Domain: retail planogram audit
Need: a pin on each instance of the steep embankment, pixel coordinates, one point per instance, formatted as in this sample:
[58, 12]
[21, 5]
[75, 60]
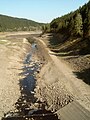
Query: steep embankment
[59, 88]
[59, 85]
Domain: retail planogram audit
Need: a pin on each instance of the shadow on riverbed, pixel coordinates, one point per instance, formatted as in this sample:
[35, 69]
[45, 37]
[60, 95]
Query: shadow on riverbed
[84, 75]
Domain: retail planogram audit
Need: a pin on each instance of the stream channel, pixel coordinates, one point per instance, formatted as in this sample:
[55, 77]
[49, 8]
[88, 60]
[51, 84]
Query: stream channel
[27, 106]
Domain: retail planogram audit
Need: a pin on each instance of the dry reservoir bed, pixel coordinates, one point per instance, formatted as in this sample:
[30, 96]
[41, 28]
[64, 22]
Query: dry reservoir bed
[51, 91]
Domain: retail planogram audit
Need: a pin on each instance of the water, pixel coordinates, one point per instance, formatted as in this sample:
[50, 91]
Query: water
[27, 106]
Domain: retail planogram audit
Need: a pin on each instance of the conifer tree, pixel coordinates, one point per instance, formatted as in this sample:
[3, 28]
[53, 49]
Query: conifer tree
[78, 25]
[88, 27]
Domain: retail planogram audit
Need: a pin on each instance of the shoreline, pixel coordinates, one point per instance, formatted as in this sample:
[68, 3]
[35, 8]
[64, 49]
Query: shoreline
[12, 52]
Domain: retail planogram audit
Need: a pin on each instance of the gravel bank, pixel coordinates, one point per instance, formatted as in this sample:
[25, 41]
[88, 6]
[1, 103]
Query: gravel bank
[11, 55]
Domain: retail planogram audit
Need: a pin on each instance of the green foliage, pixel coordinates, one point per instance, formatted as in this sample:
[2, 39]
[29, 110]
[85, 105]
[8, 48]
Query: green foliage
[17, 24]
[76, 23]
[46, 28]
[72, 32]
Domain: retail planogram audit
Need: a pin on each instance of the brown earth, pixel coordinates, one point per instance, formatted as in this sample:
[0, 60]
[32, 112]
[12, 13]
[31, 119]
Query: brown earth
[12, 52]
[58, 81]
[57, 85]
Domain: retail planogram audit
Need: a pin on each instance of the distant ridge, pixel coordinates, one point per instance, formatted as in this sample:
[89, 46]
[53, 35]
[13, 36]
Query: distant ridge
[8, 23]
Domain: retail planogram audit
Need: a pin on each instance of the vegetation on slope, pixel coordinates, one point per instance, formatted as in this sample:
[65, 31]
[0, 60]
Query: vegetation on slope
[17, 24]
[71, 32]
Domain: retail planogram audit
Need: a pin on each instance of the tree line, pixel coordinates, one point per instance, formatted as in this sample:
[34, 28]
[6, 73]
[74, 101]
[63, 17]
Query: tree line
[17, 24]
[72, 31]
[75, 23]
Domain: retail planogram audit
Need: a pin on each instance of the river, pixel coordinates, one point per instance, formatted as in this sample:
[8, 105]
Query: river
[28, 106]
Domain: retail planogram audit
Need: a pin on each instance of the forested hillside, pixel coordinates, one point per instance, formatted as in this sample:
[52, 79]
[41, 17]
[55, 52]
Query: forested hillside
[71, 32]
[17, 24]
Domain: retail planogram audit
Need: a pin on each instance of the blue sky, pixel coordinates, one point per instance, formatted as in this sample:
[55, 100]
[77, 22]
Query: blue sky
[39, 10]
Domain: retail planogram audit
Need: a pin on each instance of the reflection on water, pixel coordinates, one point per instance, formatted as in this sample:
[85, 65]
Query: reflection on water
[26, 104]
[28, 58]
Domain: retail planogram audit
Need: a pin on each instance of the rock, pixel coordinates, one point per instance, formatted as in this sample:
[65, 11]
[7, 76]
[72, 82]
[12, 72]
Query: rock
[36, 105]
[24, 101]
[32, 92]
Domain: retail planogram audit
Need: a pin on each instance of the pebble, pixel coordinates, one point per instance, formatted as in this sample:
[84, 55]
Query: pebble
[24, 101]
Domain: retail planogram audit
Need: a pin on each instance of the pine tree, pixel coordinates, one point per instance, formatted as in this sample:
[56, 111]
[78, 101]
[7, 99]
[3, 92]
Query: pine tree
[71, 26]
[88, 27]
[78, 25]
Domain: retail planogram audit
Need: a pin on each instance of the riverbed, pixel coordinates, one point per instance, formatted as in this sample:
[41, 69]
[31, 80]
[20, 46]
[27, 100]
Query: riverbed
[26, 65]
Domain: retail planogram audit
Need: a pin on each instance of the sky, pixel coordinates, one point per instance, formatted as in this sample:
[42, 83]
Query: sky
[39, 10]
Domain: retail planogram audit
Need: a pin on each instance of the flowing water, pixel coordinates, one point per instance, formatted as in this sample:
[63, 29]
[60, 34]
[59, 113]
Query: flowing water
[27, 106]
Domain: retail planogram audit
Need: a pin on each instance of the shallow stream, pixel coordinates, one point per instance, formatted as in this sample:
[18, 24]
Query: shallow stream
[27, 106]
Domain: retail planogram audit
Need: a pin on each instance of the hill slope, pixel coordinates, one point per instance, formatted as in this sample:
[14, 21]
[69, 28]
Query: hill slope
[69, 39]
[17, 24]
[71, 32]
